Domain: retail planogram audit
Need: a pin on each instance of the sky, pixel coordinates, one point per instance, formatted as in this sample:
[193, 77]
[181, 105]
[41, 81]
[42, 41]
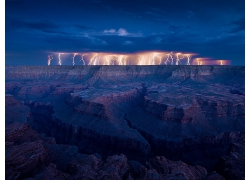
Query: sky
[209, 28]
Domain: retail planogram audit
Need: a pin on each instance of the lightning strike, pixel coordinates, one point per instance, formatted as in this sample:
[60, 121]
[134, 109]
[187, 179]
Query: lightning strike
[59, 59]
[139, 58]
[170, 55]
[121, 60]
[92, 59]
[73, 58]
[83, 62]
[178, 58]
[50, 57]
[141, 61]
[188, 59]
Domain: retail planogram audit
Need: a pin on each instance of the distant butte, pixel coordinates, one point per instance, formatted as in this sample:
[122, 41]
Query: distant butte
[125, 122]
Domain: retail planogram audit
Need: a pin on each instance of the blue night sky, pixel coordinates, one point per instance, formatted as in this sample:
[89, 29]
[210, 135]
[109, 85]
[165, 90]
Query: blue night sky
[211, 28]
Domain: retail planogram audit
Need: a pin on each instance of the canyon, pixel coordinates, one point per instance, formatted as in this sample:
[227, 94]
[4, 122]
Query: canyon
[125, 122]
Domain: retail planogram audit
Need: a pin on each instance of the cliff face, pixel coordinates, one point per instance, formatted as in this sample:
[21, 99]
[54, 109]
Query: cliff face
[188, 113]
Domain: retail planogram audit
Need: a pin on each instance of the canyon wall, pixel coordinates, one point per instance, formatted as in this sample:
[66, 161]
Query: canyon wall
[187, 113]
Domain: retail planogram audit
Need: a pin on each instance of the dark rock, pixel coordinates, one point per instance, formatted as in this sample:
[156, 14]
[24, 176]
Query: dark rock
[232, 165]
[116, 167]
[26, 159]
[176, 169]
[50, 172]
[19, 133]
[214, 176]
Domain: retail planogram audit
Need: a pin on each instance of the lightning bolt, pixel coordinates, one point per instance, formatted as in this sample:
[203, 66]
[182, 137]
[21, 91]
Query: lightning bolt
[83, 62]
[50, 57]
[153, 62]
[178, 58]
[120, 60]
[91, 62]
[98, 60]
[170, 55]
[188, 59]
[167, 60]
[198, 61]
[73, 58]
[95, 60]
[109, 59]
[59, 59]
[141, 60]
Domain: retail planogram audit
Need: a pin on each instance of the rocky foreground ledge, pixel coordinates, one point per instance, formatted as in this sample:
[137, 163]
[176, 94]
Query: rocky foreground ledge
[125, 122]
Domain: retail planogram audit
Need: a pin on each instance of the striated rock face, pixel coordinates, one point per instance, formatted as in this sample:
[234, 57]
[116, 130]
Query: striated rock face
[190, 114]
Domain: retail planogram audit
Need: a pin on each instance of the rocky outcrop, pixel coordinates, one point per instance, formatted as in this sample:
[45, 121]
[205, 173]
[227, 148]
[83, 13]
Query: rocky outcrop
[170, 169]
[15, 111]
[50, 172]
[19, 133]
[232, 165]
[25, 160]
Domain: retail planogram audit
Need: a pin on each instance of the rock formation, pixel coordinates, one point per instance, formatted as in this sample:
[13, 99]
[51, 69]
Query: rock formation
[160, 118]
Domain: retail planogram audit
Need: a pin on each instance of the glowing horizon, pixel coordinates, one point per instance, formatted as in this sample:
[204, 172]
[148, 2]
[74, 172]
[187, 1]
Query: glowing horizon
[138, 58]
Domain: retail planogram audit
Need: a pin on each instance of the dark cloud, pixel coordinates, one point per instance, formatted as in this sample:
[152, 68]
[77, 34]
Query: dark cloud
[239, 25]
[40, 25]
[12, 24]
[81, 27]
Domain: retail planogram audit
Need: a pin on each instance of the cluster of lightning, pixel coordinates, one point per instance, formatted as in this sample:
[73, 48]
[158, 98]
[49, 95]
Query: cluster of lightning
[141, 58]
